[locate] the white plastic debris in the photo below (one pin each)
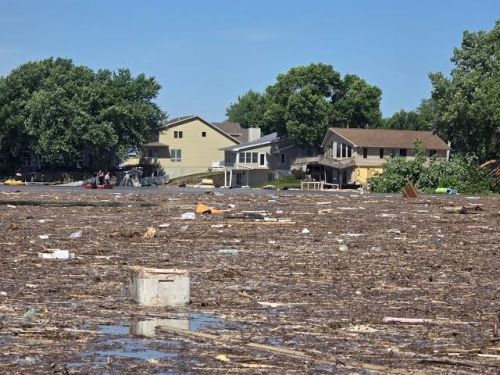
(231, 251)
(11, 206)
(188, 216)
(56, 254)
(44, 236)
(387, 215)
(394, 231)
(343, 248)
(76, 234)
(306, 231)
(165, 225)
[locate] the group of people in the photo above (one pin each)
(101, 178)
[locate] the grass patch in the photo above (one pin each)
(281, 183)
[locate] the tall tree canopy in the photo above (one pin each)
(69, 115)
(248, 110)
(468, 102)
(420, 119)
(306, 100)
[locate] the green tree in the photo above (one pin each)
(307, 117)
(321, 80)
(248, 110)
(356, 104)
(67, 113)
(306, 100)
(468, 102)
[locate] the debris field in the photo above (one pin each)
(280, 283)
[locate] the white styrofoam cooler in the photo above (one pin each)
(159, 287)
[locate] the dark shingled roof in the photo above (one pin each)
(234, 129)
(390, 138)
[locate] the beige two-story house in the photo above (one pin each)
(189, 144)
(352, 155)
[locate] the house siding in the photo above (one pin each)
(372, 164)
(254, 174)
(197, 152)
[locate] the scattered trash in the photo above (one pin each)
(438, 240)
(306, 231)
(230, 251)
(56, 254)
(76, 234)
(376, 249)
(13, 226)
(3, 294)
(222, 358)
(217, 226)
(188, 216)
(387, 215)
(389, 319)
(44, 236)
(149, 233)
(343, 248)
(269, 187)
(11, 206)
(393, 231)
(166, 225)
(352, 234)
(30, 314)
(202, 208)
(358, 292)
(474, 209)
(361, 328)
(410, 191)
(448, 191)
(184, 228)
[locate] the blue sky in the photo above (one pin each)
(206, 53)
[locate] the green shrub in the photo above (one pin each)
(299, 174)
(460, 173)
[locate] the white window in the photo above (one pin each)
(255, 156)
(177, 134)
(242, 157)
(262, 159)
(248, 157)
(175, 155)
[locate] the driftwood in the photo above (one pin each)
(61, 203)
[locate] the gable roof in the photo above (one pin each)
(262, 141)
(234, 129)
(185, 119)
(389, 138)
